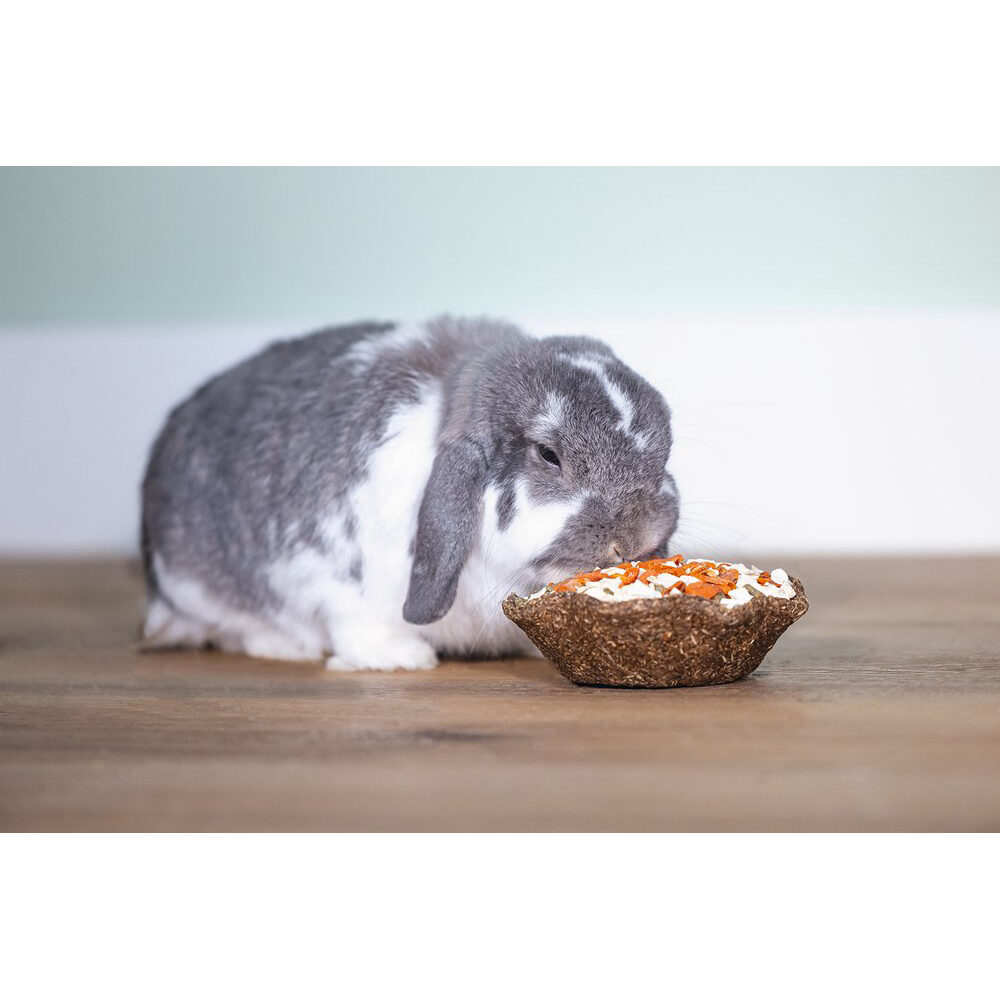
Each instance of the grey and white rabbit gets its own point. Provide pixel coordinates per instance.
(371, 493)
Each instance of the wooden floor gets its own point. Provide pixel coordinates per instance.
(880, 710)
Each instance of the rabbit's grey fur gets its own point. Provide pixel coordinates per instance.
(372, 492)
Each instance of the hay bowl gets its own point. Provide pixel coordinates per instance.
(680, 641)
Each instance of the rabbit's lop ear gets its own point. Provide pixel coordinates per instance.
(447, 523)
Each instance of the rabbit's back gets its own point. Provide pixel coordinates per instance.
(300, 464)
(234, 476)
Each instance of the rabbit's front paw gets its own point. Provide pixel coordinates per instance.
(385, 652)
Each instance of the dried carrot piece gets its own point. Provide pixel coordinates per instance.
(700, 589)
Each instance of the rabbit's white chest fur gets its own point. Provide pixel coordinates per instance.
(384, 507)
(475, 624)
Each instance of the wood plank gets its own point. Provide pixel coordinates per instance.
(880, 710)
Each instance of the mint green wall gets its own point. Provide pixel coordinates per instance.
(96, 246)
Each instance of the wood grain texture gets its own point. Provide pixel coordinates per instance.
(880, 710)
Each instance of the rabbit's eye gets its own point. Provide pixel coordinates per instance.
(548, 455)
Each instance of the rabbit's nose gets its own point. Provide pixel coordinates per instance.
(617, 552)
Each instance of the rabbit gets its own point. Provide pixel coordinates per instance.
(369, 494)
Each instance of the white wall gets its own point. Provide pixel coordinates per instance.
(809, 433)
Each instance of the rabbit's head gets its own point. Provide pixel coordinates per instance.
(553, 459)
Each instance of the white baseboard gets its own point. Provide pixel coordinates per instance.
(822, 433)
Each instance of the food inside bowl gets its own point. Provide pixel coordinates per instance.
(727, 584)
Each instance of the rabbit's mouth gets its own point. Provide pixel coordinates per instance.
(543, 572)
